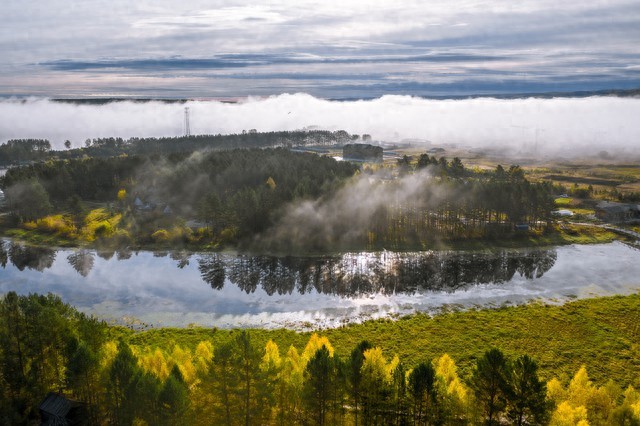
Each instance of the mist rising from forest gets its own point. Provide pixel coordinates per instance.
(557, 126)
(344, 217)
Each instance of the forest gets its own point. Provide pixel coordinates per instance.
(46, 345)
(24, 151)
(252, 198)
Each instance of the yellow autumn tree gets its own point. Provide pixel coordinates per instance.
(555, 391)
(292, 381)
(271, 360)
(632, 401)
(203, 356)
(600, 405)
(315, 342)
(580, 388)
(109, 351)
(374, 366)
(156, 363)
(271, 183)
(455, 391)
(377, 376)
(202, 394)
(273, 386)
(567, 415)
(182, 358)
(391, 367)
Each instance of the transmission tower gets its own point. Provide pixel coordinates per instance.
(187, 128)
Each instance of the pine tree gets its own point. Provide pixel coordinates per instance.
(527, 401)
(319, 380)
(355, 375)
(174, 398)
(122, 374)
(490, 383)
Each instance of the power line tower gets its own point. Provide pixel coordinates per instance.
(187, 128)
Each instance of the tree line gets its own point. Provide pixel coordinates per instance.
(238, 191)
(237, 196)
(23, 151)
(458, 204)
(20, 151)
(45, 345)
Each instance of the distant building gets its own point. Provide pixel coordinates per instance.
(362, 152)
(55, 409)
(143, 206)
(617, 212)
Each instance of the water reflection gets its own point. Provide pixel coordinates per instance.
(347, 275)
(223, 290)
(82, 261)
(356, 274)
(26, 257)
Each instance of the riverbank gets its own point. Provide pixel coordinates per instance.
(559, 234)
(601, 333)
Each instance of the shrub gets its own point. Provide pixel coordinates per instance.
(160, 236)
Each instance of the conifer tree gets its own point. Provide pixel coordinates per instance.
(319, 380)
(490, 383)
(527, 400)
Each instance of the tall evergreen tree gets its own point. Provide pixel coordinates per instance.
(319, 381)
(490, 383)
(423, 391)
(527, 400)
(246, 362)
(122, 374)
(174, 398)
(355, 375)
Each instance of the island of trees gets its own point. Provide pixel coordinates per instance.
(238, 198)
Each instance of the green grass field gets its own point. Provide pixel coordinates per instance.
(601, 333)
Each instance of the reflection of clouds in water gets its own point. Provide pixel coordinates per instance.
(156, 291)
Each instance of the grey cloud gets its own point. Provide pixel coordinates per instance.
(47, 45)
(248, 60)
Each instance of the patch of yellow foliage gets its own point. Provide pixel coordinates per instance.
(100, 223)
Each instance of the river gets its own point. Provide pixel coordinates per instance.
(146, 289)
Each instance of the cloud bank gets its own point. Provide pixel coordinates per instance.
(561, 126)
(329, 48)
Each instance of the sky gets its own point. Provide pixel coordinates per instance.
(330, 49)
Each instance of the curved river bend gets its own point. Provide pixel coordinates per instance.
(225, 290)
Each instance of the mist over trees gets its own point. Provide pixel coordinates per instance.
(275, 200)
(23, 151)
(438, 200)
(238, 191)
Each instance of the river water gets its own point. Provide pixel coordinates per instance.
(145, 289)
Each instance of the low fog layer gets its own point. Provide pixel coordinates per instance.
(345, 217)
(564, 126)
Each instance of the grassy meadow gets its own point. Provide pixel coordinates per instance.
(601, 333)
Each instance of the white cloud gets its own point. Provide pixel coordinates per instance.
(223, 18)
